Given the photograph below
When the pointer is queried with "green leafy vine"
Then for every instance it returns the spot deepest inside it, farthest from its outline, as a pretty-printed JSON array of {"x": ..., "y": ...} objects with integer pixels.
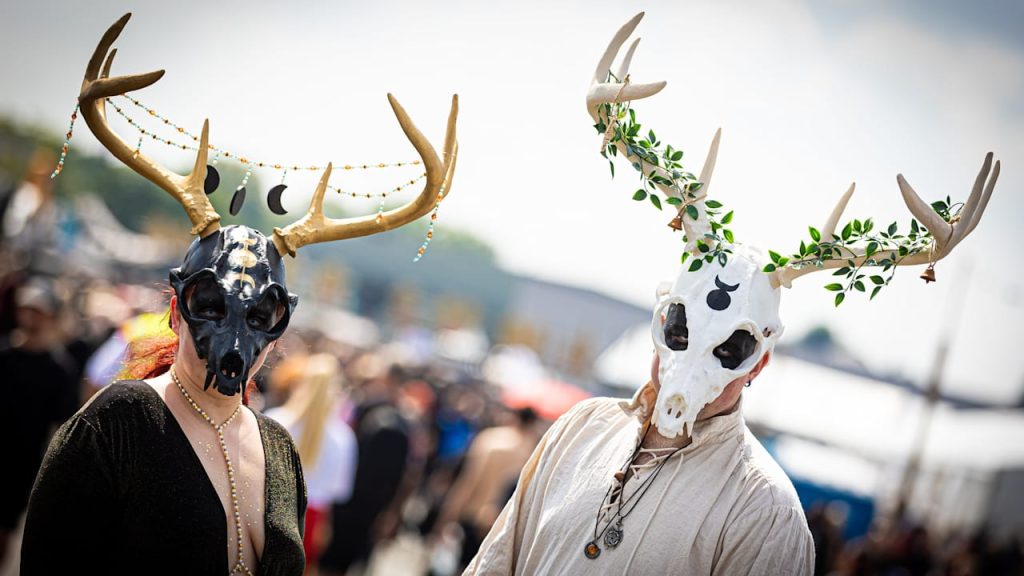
[
  {"x": 885, "y": 248},
  {"x": 618, "y": 123}
]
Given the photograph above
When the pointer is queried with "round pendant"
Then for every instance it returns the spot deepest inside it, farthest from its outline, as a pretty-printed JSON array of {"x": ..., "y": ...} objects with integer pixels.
[
  {"x": 613, "y": 536},
  {"x": 591, "y": 550}
]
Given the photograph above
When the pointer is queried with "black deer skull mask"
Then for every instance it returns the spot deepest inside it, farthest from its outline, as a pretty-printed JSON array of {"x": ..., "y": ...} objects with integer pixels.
[{"x": 231, "y": 292}]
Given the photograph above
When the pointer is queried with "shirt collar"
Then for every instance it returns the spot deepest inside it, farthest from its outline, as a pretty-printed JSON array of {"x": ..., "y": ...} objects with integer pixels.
[{"x": 712, "y": 430}]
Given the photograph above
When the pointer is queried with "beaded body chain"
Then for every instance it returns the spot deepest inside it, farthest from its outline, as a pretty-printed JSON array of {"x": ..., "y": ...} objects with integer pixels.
[{"x": 239, "y": 566}]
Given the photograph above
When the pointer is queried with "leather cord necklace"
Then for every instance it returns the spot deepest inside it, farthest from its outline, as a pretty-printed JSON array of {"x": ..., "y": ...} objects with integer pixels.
[{"x": 611, "y": 535}]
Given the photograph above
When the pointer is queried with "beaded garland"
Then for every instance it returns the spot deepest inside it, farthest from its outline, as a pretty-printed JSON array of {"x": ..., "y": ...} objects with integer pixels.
[
  {"x": 67, "y": 145},
  {"x": 430, "y": 231},
  {"x": 240, "y": 561},
  {"x": 250, "y": 164}
]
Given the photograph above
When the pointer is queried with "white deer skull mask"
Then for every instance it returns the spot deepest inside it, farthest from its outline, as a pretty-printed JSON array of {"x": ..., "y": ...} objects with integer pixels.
[
  {"x": 717, "y": 322},
  {"x": 711, "y": 328}
]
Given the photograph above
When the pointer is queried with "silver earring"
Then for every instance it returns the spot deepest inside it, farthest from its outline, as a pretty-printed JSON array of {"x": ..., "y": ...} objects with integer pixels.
[{"x": 747, "y": 385}]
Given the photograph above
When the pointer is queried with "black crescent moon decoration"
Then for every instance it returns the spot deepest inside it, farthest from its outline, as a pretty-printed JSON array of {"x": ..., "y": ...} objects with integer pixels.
[
  {"x": 212, "y": 180},
  {"x": 274, "y": 200},
  {"x": 719, "y": 299},
  {"x": 237, "y": 200}
]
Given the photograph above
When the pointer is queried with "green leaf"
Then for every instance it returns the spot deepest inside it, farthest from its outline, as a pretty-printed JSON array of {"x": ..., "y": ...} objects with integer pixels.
[
  {"x": 872, "y": 248},
  {"x": 677, "y": 156},
  {"x": 893, "y": 228},
  {"x": 803, "y": 248},
  {"x": 782, "y": 261},
  {"x": 839, "y": 298},
  {"x": 691, "y": 210},
  {"x": 703, "y": 247},
  {"x": 713, "y": 204},
  {"x": 768, "y": 268},
  {"x": 694, "y": 186},
  {"x": 696, "y": 264},
  {"x": 640, "y": 195},
  {"x": 869, "y": 225},
  {"x": 727, "y": 218},
  {"x": 913, "y": 226},
  {"x": 847, "y": 231},
  {"x": 656, "y": 201},
  {"x": 728, "y": 236},
  {"x": 874, "y": 292},
  {"x": 815, "y": 235},
  {"x": 774, "y": 256},
  {"x": 674, "y": 200},
  {"x": 651, "y": 137},
  {"x": 835, "y": 287},
  {"x": 611, "y": 165},
  {"x": 858, "y": 226},
  {"x": 859, "y": 285},
  {"x": 682, "y": 259},
  {"x": 877, "y": 279},
  {"x": 842, "y": 271}
]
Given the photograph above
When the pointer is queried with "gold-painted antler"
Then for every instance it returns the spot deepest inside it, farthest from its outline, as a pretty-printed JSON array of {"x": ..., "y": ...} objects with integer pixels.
[
  {"x": 96, "y": 88},
  {"x": 315, "y": 227},
  {"x": 605, "y": 90},
  {"x": 945, "y": 235}
]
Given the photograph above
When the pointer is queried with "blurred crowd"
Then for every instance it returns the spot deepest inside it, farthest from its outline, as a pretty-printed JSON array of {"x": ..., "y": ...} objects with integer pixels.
[{"x": 408, "y": 460}]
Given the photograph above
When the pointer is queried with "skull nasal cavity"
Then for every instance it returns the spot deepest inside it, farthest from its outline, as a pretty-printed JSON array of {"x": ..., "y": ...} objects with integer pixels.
[
  {"x": 676, "y": 403},
  {"x": 231, "y": 364}
]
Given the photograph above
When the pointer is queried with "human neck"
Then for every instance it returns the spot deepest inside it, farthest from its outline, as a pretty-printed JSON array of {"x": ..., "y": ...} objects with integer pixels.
[{"x": 218, "y": 406}]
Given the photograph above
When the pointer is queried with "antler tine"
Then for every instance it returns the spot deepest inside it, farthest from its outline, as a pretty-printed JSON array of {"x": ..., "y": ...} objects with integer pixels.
[
  {"x": 314, "y": 227},
  {"x": 984, "y": 199},
  {"x": 946, "y": 235},
  {"x": 601, "y": 91},
  {"x": 623, "y": 68},
  {"x": 829, "y": 229},
  {"x": 696, "y": 229},
  {"x": 605, "y": 63},
  {"x": 97, "y": 86}
]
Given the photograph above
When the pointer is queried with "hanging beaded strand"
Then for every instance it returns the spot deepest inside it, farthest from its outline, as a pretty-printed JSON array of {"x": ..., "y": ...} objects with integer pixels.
[
  {"x": 67, "y": 144},
  {"x": 240, "y": 560},
  {"x": 430, "y": 231}
]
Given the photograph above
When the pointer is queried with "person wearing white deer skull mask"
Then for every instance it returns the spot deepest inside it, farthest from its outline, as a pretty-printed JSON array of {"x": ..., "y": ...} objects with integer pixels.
[{"x": 672, "y": 481}]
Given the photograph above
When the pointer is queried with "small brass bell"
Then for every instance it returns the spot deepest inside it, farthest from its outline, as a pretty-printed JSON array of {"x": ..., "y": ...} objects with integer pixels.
[
  {"x": 676, "y": 223},
  {"x": 929, "y": 274}
]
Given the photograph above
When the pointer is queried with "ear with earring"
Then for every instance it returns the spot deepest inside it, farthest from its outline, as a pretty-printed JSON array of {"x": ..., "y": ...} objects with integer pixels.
[{"x": 749, "y": 380}]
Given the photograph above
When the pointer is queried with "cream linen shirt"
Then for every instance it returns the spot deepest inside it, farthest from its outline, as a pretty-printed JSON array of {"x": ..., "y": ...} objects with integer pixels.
[{"x": 720, "y": 506}]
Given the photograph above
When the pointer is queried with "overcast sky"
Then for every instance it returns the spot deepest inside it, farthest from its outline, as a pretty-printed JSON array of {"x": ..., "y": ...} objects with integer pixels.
[{"x": 811, "y": 95}]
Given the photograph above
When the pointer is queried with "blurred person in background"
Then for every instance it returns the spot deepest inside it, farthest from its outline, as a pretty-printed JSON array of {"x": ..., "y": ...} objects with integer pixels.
[
  {"x": 487, "y": 479},
  {"x": 39, "y": 391},
  {"x": 382, "y": 483},
  {"x": 326, "y": 445},
  {"x": 30, "y": 214}
]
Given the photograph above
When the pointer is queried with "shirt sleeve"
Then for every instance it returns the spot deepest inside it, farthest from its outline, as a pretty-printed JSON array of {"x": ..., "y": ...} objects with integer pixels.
[
  {"x": 500, "y": 549},
  {"x": 767, "y": 541},
  {"x": 70, "y": 508}
]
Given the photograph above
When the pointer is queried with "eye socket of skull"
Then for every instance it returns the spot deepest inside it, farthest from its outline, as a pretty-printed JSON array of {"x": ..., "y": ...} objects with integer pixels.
[
  {"x": 677, "y": 335},
  {"x": 204, "y": 299},
  {"x": 270, "y": 311},
  {"x": 736, "y": 349}
]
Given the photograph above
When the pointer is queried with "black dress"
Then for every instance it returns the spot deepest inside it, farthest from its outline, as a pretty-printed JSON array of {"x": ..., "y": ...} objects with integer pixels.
[{"x": 121, "y": 491}]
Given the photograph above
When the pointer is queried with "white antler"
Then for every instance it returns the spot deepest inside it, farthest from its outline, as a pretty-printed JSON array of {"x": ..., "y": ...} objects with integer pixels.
[
  {"x": 616, "y": 88},
  {"x": 946, "y": 235}
]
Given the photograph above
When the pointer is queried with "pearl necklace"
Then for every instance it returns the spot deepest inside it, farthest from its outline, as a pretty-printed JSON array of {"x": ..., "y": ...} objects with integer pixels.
[{"x": 240, "y": 562}]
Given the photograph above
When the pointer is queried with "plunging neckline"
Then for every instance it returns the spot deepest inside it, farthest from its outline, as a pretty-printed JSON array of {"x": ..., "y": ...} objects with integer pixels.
[{"x": 212, "y": 490}]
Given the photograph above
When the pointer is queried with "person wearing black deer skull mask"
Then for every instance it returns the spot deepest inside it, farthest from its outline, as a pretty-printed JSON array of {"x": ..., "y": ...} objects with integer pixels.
[{"x": 169, "y": 472}]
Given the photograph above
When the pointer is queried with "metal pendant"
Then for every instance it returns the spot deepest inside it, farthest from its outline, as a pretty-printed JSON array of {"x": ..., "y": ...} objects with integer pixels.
[
  {"x": 591, "y": 550},
  {"x": 613, "y": 536}
]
